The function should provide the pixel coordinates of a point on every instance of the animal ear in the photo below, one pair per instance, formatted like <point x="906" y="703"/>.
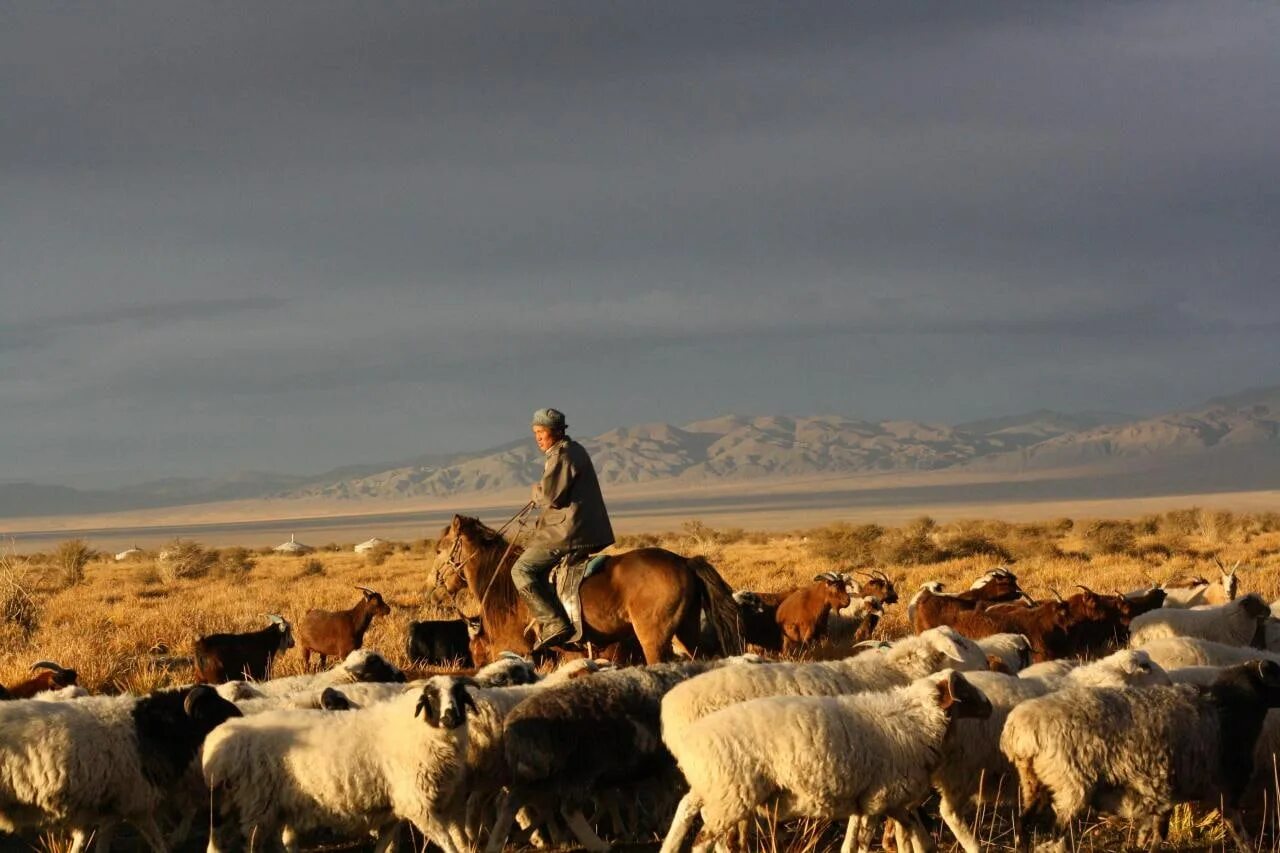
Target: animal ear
<point x="456" y="524"/>
<point x="1268" y="672"/>
<point x="427" y="707"/>
<point x="334" y="700"/>
<point x="204" y="705"/>
<point x="947" y="691"/>
<point x="464" y="698"/>
<point x="948" y="643"/>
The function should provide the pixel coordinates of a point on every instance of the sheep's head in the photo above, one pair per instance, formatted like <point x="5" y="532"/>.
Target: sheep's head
<point x="959" y="698"/>
<point x="956" y="647"/>
<point x="207" y="709"/>
<point x="444" y="702"/>
<point x="1253" y="606"/>
<point x="507" y="670"/>
<point x="367" y="665"/>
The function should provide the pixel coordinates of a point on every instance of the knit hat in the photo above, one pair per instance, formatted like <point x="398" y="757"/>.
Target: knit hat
<point x="550" y="418"/>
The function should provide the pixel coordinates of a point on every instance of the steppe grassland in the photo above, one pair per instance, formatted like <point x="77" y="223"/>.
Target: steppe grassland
<point x="130" y="625"/>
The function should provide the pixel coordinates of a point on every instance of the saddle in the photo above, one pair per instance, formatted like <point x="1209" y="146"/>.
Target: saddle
<point x="567" y="578"/>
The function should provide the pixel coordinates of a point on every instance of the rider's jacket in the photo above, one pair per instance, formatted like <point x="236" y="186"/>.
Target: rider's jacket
<point x="573" y="511"/>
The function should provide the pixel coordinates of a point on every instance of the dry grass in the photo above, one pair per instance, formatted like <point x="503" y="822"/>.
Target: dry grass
<point x="129" y="626"/>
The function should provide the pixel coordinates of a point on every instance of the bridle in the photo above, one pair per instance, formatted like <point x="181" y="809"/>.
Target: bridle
<point x="459" y="566"/>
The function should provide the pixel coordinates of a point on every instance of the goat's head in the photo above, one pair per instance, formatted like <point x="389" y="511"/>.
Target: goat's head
<point x="444" y="702"/>
<point x="373" y="603"/>
<point x="60" y="676"/>
<point x="877" y="583"/>
<point x="834" y="590"/>
<point x="286" y="631"/>
<point x="999" y="584"/>
<point x="1230" y="582"/>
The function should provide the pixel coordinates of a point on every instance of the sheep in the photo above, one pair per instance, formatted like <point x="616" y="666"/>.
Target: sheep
<point x="561" y="743"/>
<point x="853" y="756"/>
<point x="1197" y="592"/>
<point x="1240" y="623"/>
<point x="1138" y="753"/>
<point x="1013" y="651"/>
<point x="972" y="765"/>
<point x="1178" y="652"/>
<point x="283" y="773"/>
<point x="802" y="615"/>
<point x="222" y="657"/>
<point x="907" y="660"/>
<point x="931" y="607"/>
<point x="360" y="665"/>
<point x="50" y="677"/>
<point x="102" y="759"/>
<point x="337" y="633"/>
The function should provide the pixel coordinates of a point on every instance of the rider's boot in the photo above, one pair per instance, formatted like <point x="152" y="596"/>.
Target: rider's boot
<point x="553" y="626"/>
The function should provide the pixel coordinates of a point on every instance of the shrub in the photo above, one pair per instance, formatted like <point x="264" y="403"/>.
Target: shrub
<point x="184" y="558"/>
<point x="69" y="561"/>
<point x="632" y="541"/>
<point x="974" y="545"/>
<point x="846" y="543"/>
<point x="1180" y="522"/>
<point x="911" y="545"/>
<point x="310" y="569"/>
<point x="235" y="561"/>
<point x="18" y="608"/>
<point x="1108" y="538"/>
<point x="378" y="554"/>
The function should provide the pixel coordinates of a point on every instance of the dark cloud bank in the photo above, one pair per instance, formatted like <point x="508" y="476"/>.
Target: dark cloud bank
<point x="285" y="239"/>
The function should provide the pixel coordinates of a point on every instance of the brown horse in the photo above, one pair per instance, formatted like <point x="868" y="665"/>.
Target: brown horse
<point x="646" y="596"/>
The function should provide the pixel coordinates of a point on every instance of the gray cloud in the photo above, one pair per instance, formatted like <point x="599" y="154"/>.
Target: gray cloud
<point x="295" y="238"/>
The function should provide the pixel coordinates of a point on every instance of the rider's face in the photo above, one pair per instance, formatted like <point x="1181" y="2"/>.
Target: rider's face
<point x="545" y="436"/>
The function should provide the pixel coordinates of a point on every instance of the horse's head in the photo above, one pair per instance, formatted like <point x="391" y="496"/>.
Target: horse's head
<point x="457" y="551"/>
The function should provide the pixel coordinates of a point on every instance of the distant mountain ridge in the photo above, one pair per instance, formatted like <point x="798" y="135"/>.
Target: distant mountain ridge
<point x="1229" y="439"/>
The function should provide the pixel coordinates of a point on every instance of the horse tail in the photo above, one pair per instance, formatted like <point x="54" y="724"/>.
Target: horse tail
<point x="722" y="610"/>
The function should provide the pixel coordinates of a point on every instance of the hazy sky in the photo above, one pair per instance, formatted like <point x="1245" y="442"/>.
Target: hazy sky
<point x="240" y="236"/>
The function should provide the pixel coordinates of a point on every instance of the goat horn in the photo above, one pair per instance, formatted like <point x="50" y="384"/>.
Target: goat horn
<point x="1056" y="594"/>
<point x="274" y="618"/>
<point x="1219" y="563"/>
<point x="1086" y="589"/>
<point x="366" y="590"/>
<point x="826" y="576"/>
<point x="1236" y="566"/>
<point x="46" y="664"/>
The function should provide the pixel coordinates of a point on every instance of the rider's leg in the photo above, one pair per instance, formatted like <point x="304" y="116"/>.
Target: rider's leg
<point x="530" y="577"/>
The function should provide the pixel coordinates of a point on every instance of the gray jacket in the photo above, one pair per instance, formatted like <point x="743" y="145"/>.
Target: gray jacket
<point x="573" y="513"/>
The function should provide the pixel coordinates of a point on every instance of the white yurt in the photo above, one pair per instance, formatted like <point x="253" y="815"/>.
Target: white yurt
<point x="129" y="554"/>
<point x="293" y="546"/>
<point x="369" y="545"/>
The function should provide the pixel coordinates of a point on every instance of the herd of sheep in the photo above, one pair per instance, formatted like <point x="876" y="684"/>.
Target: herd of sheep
<point x="1124" y="705"/>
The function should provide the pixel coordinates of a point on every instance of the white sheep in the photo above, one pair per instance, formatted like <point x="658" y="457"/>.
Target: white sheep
<point x="360" y="665"/>
<point x="973" y="768"/>
<point x="1138" y="752"/>
<point x="904" y="662"/>
<point x="1012" y="650"/>
<point x="282" y="773"/>
<point x="1178" y="652"/>
<point x="101" y="759"/>
<point x="833" y="757"/>
<point x="1238" y="623"/>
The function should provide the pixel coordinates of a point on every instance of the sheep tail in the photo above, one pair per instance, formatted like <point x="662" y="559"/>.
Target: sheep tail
<point x="722" y="610"/>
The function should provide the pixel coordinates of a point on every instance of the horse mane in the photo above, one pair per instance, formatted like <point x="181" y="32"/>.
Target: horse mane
<point x="502" y="595"/>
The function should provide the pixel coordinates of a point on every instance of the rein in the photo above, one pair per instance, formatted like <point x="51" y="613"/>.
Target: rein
<point x="459" y="566"/>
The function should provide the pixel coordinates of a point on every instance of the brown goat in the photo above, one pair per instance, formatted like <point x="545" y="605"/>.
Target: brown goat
<point x="337" y="633"/>
<point x="802" y="616"/>
<point x="51" y="677"/>
<point x="876" y="585"/>
<point x="931" y="607"/>
<point x="1045" y="625"/>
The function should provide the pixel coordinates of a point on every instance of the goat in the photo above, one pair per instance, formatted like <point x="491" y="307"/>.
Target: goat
<point x="339" y="632"/>
<point x="802" y="616"/>
<point x="932" y="607"/>
<point x="1045" y="625"/>
<point x="51" y="677"/>
<point x="758" y="613"/>
<point x="1198" y="591"/>
<point x="226" y="657"/>
<point x="442" y="641"/>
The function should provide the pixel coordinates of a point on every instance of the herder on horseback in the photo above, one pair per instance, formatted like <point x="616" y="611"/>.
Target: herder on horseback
<point x="574" y="523"/>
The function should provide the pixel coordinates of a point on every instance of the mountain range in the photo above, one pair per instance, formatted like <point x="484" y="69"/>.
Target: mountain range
<point x="1226" y="443"/>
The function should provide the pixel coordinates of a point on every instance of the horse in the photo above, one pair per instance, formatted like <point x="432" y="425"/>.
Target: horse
<point x="647" y="596"/>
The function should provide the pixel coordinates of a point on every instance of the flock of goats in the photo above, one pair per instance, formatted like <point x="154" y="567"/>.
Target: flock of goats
<point x="1124" y="704"/>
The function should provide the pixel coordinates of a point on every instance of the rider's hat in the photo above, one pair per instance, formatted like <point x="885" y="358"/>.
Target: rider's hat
<point x="550" y="418"/>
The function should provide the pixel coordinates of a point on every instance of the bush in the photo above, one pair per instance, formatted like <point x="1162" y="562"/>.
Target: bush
<point x="974" y="545"/>
<point x="1180" y="522"/>
<point x="846" y="543"/>
<point x="1108" y="538"/>
<point x="184" y="558"/>
<point x="378" y="554"/>
<point x="235" y="561"/>
<point x="310" y="569"/>
<point x="18" y="608"/>
<point x="911" y="545"/>
<point x="69" y="560"/>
